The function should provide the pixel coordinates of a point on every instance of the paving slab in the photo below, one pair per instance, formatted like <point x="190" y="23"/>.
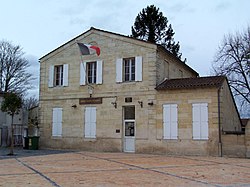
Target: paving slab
<point x="79" y="168"/>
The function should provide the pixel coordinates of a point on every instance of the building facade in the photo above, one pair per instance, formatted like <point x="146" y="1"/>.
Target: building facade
<point x="134" y="97"/>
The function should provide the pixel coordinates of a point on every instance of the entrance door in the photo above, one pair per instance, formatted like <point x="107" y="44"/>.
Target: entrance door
<point x="129" y="129"/>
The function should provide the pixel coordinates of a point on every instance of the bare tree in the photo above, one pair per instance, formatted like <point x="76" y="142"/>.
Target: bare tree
<point x="30" y="103"/>
<point x="233" y="60"/>
<point x="13" y="69"/>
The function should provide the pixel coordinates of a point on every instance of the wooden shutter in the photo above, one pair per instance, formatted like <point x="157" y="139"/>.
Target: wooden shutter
<point x="83" y="73"/>
<point x="170" y="121"/>
<point x="174" y="122"/>
<point x="119" y="70"/>
<point x="90" y="122"/>
<point x="138" y="68"/>
<point x="166" y="122"/>
<point x="51" y="77"/>
<point x="204" y="121"/>
<point x="57" y="122"/>
<point x="99" y="72"/>
<point x="196" y="121"/>
<point x="65" y="75"/>
<point x="200" y="121"/>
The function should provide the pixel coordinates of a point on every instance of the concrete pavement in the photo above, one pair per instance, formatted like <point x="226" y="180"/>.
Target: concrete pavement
<point x="80" y="168"/>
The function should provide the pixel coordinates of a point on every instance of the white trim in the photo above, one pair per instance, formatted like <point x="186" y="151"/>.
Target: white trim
<point x="170" y="121"/>
<point x="51" y="77"/>
<point x="65" y="74"/>
<point x="57" y="122"/>
<point x="138" y="68"/>
<point x="90" y="122"/>
<point x="119" y="72"/>
<point x="99" y="64"/>
<point x="83" y="73"/>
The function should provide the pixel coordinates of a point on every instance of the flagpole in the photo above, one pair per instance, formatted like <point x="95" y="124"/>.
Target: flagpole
<point x="84" y="69"/>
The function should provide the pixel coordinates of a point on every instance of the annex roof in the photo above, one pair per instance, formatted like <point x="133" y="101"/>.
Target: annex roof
<point x="190" y="83"/>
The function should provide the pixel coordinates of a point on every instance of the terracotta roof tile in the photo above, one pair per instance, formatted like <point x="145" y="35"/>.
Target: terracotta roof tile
<point x="188" y="83"/>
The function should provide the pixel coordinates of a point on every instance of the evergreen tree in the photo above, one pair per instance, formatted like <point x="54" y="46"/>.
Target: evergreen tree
<point x="152" y="26"/>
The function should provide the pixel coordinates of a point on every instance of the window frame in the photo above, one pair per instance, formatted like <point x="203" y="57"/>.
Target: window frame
<point x="129" y="69"/>
<point x="91" y="69"/>
<point x="58" y="75"/>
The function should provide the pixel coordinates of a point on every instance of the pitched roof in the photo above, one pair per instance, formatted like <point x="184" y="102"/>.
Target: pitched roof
<point x="100" y="30"/>
<point x="189" y="83"/>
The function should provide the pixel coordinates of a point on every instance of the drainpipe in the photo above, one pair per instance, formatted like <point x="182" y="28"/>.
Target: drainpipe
<point x="219" y="125"/>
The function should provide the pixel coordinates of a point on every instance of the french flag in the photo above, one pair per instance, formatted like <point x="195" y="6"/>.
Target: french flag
<point x="86" y="49"/>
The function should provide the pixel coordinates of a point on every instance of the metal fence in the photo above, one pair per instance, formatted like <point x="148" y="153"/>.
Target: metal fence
<point x="18" y="135"/>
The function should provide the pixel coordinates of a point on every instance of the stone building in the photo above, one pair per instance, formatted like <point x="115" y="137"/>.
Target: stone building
<point x="134" y="97"/>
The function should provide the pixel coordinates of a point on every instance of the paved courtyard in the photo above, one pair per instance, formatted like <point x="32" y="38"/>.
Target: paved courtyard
<point x="79" y="168"/>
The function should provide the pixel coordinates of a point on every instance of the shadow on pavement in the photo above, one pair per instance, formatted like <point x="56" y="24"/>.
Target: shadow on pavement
<point x="20" y="152"/>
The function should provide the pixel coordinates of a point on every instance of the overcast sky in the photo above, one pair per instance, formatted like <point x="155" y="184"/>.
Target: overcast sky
<point x="199" y="25"/>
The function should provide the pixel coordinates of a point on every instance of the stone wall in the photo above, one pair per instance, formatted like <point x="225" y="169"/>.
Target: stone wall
<point x="233" y="145"/>
<point x="237" y="145"/>
<point x="185" y="143"/>
<point x="230" y="119"/>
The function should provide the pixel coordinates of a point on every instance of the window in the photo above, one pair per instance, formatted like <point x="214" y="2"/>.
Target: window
<point x="129" y="121"/>
<point x="57" y="122"/>
<point x="90" y="122"/>
<point x="91" y="72"/>
<point x="129" y="69"/>
<point x="170" y="121"/>
<point x="58" y="80"/>
<point x="58" y="75"/>
<point x="129" y="112"/>
<point x="200" y="121"/>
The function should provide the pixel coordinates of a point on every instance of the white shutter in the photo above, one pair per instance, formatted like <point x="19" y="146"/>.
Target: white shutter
<point x="166" y="122"/>
<point x="59" y="125"/>
<point x="119" y="70"/>
<point x="93" y="123"/>
<point x="90" y="122"/>
<point x="170" y="121"/>
<point x="200" y="121"/>
<point x="54" y="122"/>
<point x="204" y="121"/>
<point x="83" y="73"/>
<point x="174" y="122"/>
<point x="57" y="122"/>
<point x="51" y="77"/>
<point x="87" y="124"/>
<point x="196" y="121"/>
<point x="138" y="68"/>
<point x="99" y="72"/>
<point x="65" y="74"/>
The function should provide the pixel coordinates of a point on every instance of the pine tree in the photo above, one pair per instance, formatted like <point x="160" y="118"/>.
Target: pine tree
<point x="150" y="25"/>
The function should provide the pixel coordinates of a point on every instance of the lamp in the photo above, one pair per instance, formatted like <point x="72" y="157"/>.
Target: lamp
<point x="150" y="103"/>
<point x="140" y="103"/>
<point x="74" y="106"/>
<point x="114" y="104"/>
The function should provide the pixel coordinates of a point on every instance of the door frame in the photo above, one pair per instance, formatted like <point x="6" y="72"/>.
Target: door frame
<point x="130" y="137"/>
